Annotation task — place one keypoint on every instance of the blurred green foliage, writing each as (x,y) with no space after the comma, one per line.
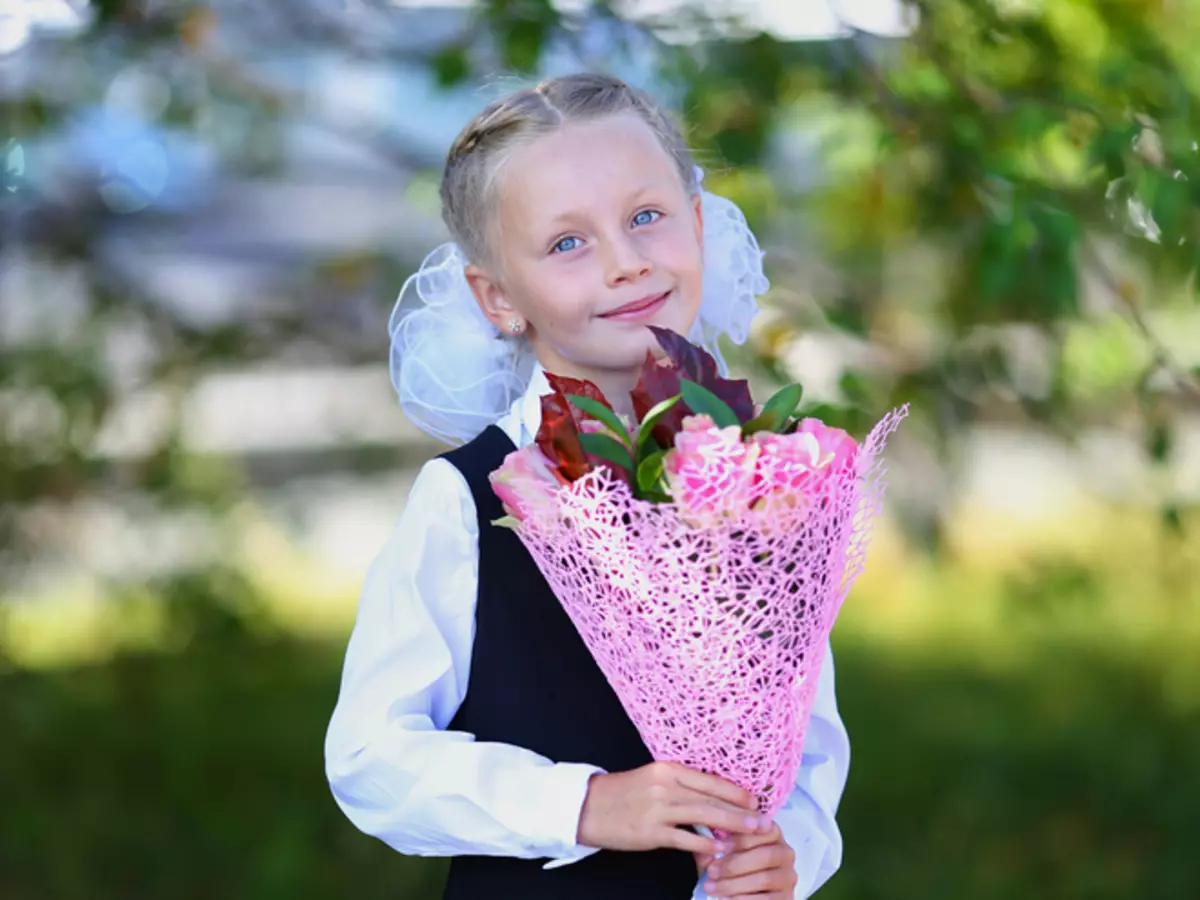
(197,775)
(1041,156)
(1024,717)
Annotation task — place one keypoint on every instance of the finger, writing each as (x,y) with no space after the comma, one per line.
(746,862)
(753,885)
(713,816)
(691,842)
(753,823)
(718,788)
(742,842)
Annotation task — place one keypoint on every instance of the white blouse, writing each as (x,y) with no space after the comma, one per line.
(399,775)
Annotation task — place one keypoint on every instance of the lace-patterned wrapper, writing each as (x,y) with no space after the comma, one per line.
(713,638)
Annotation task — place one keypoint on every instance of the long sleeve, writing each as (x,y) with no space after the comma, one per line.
(394,769)
(808,819)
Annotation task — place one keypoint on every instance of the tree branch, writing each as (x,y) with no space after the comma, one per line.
(1162,358)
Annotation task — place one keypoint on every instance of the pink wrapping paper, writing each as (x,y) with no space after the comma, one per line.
(713,638)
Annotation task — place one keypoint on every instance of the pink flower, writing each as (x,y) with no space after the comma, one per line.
(835,448)
(784,472)
(710,471)
(526,483)
(793,468)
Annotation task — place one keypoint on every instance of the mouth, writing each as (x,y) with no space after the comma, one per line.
(638,309)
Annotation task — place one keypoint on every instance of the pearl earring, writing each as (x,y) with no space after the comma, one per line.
(515,325)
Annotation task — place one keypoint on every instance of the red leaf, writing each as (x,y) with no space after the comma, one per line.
(579,388)
(558,438)
(558,435)
(657,382)
(696,364)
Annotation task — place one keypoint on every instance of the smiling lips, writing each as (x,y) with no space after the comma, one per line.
(638,309)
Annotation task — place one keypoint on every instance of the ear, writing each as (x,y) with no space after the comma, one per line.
(493,299)
(698,218)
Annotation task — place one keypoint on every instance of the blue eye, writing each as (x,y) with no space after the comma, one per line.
(565,245)
(646,216)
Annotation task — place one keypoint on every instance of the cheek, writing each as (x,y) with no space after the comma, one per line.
(558,299)
(685,240)
(682,253)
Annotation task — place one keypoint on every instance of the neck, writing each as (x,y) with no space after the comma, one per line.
(616,390)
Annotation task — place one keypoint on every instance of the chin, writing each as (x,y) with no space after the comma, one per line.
(630,356)
(650,343)
(677,315)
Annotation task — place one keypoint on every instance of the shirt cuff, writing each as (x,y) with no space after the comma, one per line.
(561,806)
(813,866)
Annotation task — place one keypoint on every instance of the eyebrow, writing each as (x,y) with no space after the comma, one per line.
(564,218)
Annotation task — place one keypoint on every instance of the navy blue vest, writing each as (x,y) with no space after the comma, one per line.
(533,684)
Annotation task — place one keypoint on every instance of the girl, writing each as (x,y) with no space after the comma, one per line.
(472,722)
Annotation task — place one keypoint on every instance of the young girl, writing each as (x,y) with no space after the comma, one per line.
(472,722)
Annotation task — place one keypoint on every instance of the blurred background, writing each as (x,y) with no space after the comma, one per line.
(986,208)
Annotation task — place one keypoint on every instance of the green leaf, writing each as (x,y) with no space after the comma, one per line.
(601,413)
(606,447)
(835,416)
(1159,441)
(507,522)
(1167,199)
(855,389)
(1171,519)
(451,66)
(522,40)
(704,402)
(776,412)
(652,418)
(650,471)
(998,261)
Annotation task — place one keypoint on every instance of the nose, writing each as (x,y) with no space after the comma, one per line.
(624,261)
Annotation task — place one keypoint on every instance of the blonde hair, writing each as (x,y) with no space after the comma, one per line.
(477,155)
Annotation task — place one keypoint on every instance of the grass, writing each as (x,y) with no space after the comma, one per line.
(1025,717)
(1071,778)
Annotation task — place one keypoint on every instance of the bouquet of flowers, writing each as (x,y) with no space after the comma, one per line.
(702,553)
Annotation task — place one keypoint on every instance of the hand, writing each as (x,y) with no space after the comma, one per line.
(650,808)
(759,867)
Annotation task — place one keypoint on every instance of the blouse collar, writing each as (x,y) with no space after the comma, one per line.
(527,410)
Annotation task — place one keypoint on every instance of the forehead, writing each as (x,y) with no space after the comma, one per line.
(583,164)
